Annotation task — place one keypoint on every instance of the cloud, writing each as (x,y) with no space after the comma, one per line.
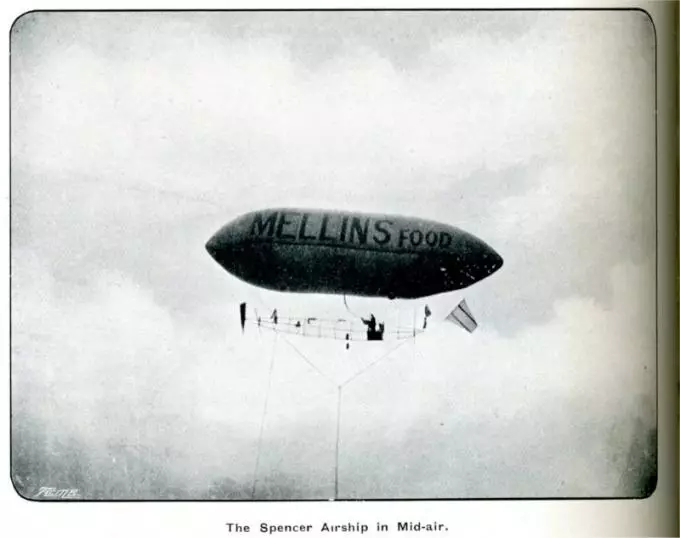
(354,117)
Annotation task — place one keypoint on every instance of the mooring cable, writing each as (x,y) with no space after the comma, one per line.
(264,414)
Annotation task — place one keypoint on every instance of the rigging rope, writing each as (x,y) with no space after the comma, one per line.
(337,440)
(264,413)
(302,355)
(344,299)
(339,387)
(360,372)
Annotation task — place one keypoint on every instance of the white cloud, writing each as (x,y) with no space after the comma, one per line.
(245,109)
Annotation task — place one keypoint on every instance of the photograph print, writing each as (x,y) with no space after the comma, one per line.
(352,255)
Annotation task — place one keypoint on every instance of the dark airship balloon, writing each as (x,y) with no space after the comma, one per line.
(374,255)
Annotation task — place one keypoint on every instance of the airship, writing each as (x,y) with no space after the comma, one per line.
(351,253)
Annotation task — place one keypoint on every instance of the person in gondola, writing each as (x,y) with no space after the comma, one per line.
(371,332)
(370,323)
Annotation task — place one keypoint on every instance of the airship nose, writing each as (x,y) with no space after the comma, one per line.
(226,248)
(213,245)
(221,246)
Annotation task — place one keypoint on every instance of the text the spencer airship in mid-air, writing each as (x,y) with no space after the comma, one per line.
(374,255)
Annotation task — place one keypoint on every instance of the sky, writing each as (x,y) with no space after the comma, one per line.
(135,136)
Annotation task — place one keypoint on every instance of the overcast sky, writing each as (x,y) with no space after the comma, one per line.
(135,136)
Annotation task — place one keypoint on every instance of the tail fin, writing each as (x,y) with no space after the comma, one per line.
(242,308)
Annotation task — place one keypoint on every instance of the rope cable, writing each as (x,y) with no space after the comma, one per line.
(337,439)
(384,356)
(264,414)
(303,357)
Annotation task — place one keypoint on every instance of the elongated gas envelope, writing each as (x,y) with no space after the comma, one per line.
(373,255)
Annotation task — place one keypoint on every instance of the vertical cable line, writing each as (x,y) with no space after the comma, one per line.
(264,414)
(337,440)
(338,386)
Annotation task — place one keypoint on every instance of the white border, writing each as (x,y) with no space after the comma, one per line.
(649,517)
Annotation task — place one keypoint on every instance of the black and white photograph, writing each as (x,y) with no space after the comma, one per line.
(333,255)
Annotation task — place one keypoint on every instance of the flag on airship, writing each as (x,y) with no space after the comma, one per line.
(462,317)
